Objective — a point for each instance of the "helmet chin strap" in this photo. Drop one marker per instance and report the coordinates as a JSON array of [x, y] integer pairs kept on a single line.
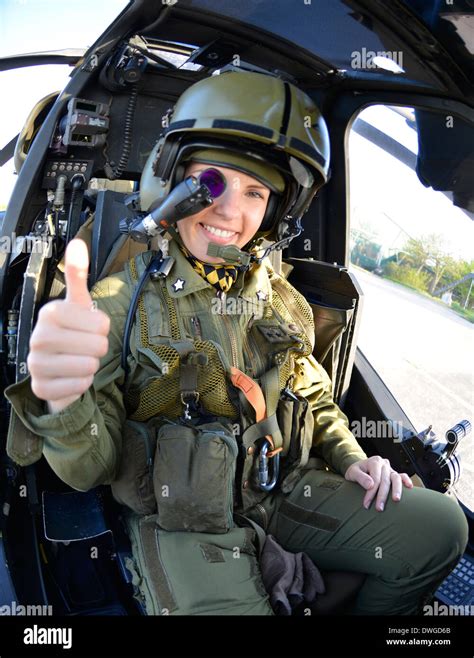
[[231, 254]]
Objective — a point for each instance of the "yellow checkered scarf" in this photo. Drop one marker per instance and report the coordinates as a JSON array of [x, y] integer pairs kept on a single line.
[[220, 276]]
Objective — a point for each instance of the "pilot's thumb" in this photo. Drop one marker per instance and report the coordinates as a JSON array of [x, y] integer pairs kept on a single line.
[[356, 473], [365, 480], [75, 271]]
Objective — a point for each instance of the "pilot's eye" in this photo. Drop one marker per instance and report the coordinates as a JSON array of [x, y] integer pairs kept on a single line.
[[255, 194]]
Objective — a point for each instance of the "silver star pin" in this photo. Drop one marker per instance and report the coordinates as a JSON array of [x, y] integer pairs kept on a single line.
[[262, 296], [178, 284]]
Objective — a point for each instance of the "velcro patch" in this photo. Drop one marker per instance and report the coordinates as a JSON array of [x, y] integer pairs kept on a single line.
[[212, 553], [330, 484], [307, 517]]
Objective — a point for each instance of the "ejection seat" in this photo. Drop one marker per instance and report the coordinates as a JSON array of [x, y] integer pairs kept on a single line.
[[334, 298]]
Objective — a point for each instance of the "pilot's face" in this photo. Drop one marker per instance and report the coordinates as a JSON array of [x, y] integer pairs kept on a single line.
[[236, 215]]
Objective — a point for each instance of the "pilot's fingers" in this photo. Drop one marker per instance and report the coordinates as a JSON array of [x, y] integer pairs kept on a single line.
[[61, 388], [397, 485], [398, 481], [67, 341], [44, 366], [384, 486], [375, 471], [71, 315], [75, 272]]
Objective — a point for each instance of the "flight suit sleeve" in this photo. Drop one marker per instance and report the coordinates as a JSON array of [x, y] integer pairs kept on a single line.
[[332, 438], [82, 443]]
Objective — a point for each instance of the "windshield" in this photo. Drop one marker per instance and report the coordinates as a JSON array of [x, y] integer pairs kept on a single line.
[[28, 26]]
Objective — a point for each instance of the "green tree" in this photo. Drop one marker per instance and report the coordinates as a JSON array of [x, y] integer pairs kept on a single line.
[[442, 263], [461, 291], [417, 253], [427, 252]]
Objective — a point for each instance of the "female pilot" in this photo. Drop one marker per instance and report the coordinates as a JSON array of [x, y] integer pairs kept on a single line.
[[190, 356]]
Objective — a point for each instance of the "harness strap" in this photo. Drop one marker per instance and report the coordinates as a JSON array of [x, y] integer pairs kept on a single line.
[[251, 390], [271, 385], [244, 521], [188, 372], [267, 427], [254, 395]]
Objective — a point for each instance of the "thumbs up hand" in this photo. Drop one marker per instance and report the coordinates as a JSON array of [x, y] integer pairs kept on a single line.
[[69, 338], [76, 270]]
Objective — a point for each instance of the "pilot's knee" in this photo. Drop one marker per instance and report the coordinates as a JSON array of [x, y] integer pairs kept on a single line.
[[453, 526], [442, 529]]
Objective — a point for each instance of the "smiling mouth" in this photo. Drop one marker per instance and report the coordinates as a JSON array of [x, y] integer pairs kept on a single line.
[[217, 233]]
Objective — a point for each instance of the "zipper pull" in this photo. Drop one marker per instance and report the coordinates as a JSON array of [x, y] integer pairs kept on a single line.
[[222, 296], [197, 327], [251, 322]]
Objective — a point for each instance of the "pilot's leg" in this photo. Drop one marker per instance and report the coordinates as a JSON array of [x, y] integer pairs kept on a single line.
[[406, 550]]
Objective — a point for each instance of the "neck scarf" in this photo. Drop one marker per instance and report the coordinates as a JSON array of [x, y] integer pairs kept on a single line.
[[221, 276]]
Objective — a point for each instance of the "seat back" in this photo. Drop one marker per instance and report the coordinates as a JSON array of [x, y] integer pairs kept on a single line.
[[336, 301], [109, 250]]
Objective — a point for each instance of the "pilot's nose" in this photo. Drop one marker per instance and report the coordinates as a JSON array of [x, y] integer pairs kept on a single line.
[[227, 205]]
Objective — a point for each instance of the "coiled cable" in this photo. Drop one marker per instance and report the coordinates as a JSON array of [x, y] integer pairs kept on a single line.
[[115, 172]]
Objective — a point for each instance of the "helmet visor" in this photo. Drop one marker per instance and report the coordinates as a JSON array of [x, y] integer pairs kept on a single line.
[[262, 171]]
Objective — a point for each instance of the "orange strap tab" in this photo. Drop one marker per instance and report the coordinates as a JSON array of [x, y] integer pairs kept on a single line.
[[251, 390], [255, 397]]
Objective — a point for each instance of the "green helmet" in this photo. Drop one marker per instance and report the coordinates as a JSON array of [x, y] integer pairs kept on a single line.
[[251, 122]]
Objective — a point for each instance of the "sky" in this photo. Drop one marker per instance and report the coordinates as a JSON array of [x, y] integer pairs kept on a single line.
[[384, 192], [36, 26]]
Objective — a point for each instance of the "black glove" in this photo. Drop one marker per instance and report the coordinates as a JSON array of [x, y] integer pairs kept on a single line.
[[289, 578]]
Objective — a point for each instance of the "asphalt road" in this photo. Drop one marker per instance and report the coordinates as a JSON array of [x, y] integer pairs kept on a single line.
[[425, 354]]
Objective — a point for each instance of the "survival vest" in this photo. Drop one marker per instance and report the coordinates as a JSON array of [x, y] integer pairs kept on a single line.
[[181, 321]]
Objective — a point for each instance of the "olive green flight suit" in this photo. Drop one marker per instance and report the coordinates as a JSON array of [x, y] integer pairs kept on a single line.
[[322, 516]]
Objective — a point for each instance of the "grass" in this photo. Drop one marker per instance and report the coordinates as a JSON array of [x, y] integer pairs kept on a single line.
[[467, 314]]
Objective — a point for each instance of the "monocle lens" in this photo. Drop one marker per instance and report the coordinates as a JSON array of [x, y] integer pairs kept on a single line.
[[214, 181]]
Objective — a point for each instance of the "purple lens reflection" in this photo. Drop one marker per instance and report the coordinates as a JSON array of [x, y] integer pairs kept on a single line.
[[214, 181]]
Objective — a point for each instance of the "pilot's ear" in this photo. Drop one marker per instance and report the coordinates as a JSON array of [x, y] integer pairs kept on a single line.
[[179, 172]]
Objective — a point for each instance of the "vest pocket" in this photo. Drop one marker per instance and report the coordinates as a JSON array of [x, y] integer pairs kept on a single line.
[[134, 484], [180, 573], [193, 477], [296, 423]]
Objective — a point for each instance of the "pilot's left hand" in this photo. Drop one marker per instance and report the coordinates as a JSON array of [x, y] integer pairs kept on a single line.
[[378, 477]]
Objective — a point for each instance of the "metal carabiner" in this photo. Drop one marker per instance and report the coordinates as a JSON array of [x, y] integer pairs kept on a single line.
[[263, 474], [192, 404]]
